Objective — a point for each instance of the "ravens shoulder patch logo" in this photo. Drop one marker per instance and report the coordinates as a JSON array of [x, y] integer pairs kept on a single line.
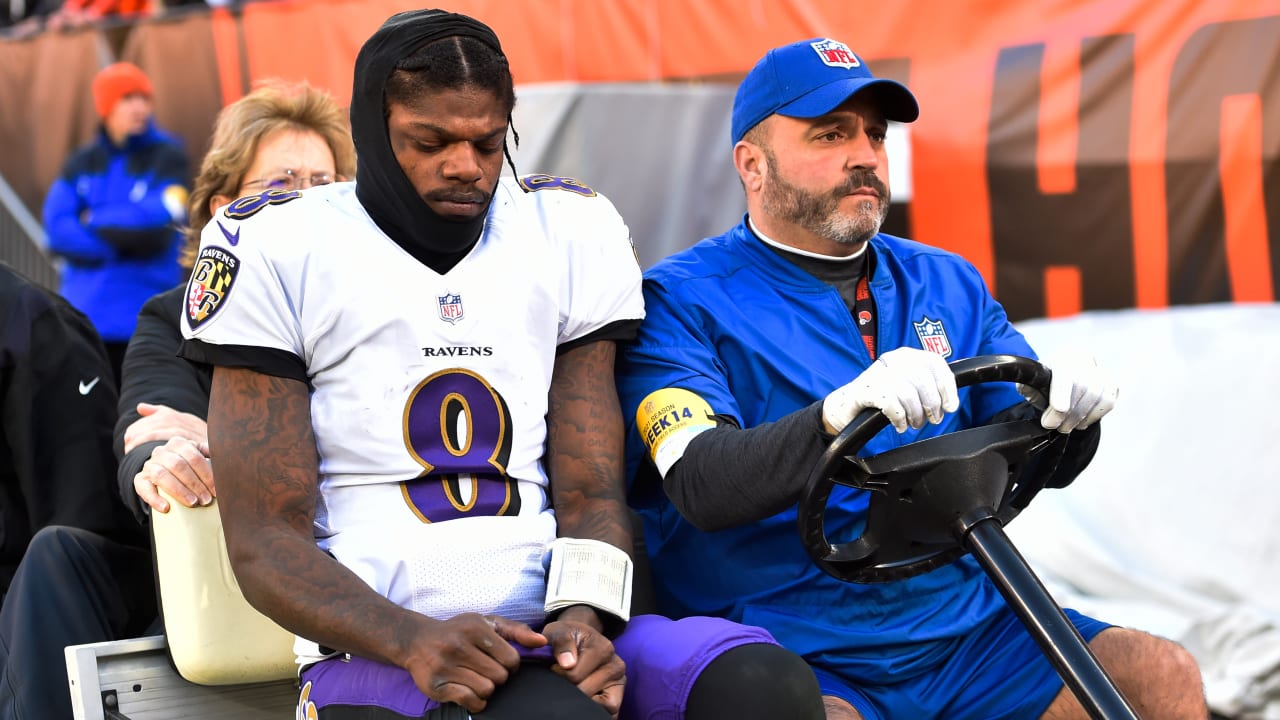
[[212, 277]]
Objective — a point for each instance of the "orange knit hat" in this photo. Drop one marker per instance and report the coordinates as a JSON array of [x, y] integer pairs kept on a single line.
[[114, 82]]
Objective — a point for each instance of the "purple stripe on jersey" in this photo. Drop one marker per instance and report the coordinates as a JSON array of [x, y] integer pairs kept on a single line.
[[665, 656]]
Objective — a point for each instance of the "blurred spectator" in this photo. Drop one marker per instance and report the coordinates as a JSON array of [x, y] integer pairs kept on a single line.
[[75, 13], [24, 17], [59, 403], [113, 214]]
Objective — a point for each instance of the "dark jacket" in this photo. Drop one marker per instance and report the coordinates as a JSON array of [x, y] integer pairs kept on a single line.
[[113, 216], [154, 373], [58, 403]]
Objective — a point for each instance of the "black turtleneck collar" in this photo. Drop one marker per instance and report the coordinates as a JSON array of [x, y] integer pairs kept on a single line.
[[381, 186]]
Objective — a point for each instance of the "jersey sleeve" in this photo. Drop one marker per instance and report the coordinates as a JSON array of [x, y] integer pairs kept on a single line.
[[240, 304], [601, 292]]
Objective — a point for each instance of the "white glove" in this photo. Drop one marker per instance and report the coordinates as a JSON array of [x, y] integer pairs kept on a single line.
[[906, 384], [1080, 393]]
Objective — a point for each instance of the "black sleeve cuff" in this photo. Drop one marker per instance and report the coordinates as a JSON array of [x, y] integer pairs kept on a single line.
[[618, 331], [268, 361]]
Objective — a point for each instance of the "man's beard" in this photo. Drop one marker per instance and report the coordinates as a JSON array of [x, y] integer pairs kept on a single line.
[[820, 213]]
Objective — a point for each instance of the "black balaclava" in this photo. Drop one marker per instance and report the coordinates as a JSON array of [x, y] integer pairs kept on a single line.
[[381, 186]]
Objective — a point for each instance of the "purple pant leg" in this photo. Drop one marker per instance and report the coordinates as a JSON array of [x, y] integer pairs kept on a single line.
[[357, 681], [664, 657]]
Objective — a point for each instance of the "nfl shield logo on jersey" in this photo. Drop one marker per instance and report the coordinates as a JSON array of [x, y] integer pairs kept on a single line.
[[835, 54], [450, 307], [933, 337]]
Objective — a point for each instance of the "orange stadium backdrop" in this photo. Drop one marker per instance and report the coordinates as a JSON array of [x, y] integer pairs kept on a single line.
[[1083, 154]]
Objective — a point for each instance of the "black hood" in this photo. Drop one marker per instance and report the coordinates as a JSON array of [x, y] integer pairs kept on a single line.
[[381, 186]]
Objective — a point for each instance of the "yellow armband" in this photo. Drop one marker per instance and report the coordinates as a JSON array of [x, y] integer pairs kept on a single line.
[[668, 419]]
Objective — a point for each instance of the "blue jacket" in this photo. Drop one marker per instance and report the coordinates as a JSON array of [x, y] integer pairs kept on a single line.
[[113, 215], [759, 338]]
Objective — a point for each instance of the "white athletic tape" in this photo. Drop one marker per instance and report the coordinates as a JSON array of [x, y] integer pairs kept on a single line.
[[589, 572]]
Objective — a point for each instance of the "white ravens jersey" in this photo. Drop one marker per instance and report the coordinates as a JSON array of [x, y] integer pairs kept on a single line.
[[429, 391]]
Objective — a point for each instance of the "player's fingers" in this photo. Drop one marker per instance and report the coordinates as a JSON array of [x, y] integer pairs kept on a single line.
[[494, 655], [595, 671], [610, 698], [581, 651], [566, 646], [604, 683], [516, 632], [472, 667], [464, 688]]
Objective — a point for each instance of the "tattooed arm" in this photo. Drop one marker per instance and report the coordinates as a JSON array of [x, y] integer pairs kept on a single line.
[[261, 440], [585, 466]]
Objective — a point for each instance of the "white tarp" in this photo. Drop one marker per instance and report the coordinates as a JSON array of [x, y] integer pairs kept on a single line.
[[1175, 526]]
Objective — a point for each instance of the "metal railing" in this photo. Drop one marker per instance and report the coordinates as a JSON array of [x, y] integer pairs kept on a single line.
[[22, 240]]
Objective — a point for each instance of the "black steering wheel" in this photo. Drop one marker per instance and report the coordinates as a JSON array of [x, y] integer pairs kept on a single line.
[[926, 495]]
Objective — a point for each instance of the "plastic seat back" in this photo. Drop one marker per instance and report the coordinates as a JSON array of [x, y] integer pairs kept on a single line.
[[214, 636]]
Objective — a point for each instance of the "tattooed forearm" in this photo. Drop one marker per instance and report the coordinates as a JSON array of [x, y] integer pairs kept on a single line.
[[584, 447], [264, 453]]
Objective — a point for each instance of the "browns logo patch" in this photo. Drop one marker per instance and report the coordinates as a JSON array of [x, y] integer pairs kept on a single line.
[[212, 277]]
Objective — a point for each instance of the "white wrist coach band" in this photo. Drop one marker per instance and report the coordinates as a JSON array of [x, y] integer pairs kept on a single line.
[[589, 572]]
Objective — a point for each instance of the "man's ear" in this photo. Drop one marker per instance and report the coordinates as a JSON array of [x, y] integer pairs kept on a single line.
[[752, 165]]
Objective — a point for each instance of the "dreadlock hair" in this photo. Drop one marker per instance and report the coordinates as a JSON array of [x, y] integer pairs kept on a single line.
[[454, 63]]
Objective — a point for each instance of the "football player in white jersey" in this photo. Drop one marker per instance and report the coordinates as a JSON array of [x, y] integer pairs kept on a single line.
[[415, 428]]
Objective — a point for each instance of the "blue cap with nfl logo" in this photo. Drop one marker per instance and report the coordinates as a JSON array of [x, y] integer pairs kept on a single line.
[[811, 78]]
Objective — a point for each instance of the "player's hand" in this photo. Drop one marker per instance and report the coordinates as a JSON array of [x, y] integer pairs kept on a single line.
[[465, 658], [181, 468], [1080, 393], [161, 422], [586, 657], [908, 385]]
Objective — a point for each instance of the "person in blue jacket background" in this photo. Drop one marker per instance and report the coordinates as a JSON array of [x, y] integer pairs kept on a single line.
[[760, 344], [113, 214]]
